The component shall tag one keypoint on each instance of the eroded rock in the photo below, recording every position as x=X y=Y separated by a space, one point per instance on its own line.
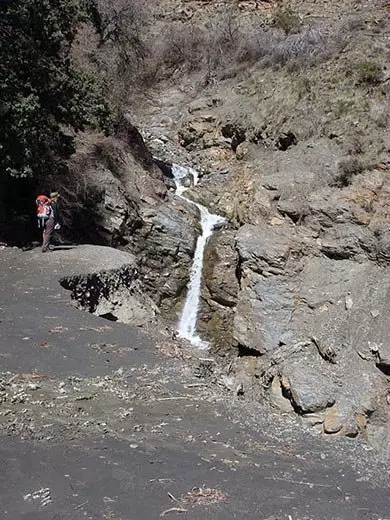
x=113 y=294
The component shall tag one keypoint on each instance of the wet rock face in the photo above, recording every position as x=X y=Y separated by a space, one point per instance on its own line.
x=165 y=247
x=220 y=289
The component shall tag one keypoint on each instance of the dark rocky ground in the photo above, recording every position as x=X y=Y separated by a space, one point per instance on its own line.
x=103 y=421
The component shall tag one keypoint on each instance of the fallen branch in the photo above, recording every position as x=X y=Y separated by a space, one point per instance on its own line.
x=172 y=497
x=174 y=510
x=80 y=505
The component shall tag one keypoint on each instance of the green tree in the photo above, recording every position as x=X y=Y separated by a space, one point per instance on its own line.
x=44 y=100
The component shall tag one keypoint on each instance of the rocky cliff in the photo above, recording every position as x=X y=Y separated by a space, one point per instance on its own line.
x=295 y=154
x=288 y=129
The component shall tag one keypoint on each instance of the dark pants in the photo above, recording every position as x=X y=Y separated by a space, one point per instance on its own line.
x=47 y=233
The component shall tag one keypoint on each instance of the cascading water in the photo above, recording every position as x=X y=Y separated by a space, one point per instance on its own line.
x=187 y=322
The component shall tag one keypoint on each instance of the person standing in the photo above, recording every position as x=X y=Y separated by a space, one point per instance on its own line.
x=48 y=217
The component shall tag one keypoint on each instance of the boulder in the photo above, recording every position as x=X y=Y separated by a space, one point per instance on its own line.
x=165 y=247
x=341 y=419
x=211 y=140
x=309 y=390
x=193 y=130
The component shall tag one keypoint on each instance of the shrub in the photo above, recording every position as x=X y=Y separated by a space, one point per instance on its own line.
x=304 y=46
x=286 y=20
x=183 y=46
x=348 y=168
x=369 y=72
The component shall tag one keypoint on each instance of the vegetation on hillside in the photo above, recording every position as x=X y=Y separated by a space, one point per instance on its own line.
x=68 y=65
x=44 y=98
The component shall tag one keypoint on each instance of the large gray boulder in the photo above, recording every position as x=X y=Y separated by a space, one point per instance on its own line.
x=165 y=247
x=326 y=293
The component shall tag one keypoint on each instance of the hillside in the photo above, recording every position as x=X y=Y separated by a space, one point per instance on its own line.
x=283 y=109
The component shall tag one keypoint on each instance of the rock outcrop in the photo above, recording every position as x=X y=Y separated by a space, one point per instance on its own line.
x=128 y=205
x=293 y=149
x=299 y=281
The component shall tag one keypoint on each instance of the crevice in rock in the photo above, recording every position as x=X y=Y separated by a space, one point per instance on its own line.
x=238 y=271
x=236 y=133
x=165 y=167
x=336 y=255
x=385 y=368
x=285 y=141
x=296 y=218
x=245 y=351
x=286 y=393
x=108 y=316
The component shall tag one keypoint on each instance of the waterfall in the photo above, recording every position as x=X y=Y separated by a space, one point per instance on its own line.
x=208 y=221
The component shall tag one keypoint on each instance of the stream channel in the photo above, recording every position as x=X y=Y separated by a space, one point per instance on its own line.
x=187 y=323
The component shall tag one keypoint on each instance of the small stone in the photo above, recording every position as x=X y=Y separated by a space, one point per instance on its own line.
x=333 y=421
x=240 y=389
x=276 y=395
x=314 y=419
x=375 y=313
x=348 y=302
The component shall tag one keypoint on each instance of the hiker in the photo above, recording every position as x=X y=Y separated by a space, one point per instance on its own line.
x=48 y=217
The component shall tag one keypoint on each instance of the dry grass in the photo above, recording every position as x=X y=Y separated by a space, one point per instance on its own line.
x=348 y=168
x=224 y=48
x=132 y=52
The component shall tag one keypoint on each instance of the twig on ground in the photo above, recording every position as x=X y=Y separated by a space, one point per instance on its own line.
x=310 y=484
x=80 y=505
x=172 y=497
x=174 y=510
x=177 y=397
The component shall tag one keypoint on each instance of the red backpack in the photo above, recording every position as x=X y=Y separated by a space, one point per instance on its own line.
x=44 y=209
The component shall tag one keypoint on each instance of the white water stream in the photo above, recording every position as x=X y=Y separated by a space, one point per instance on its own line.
x=187 y=322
